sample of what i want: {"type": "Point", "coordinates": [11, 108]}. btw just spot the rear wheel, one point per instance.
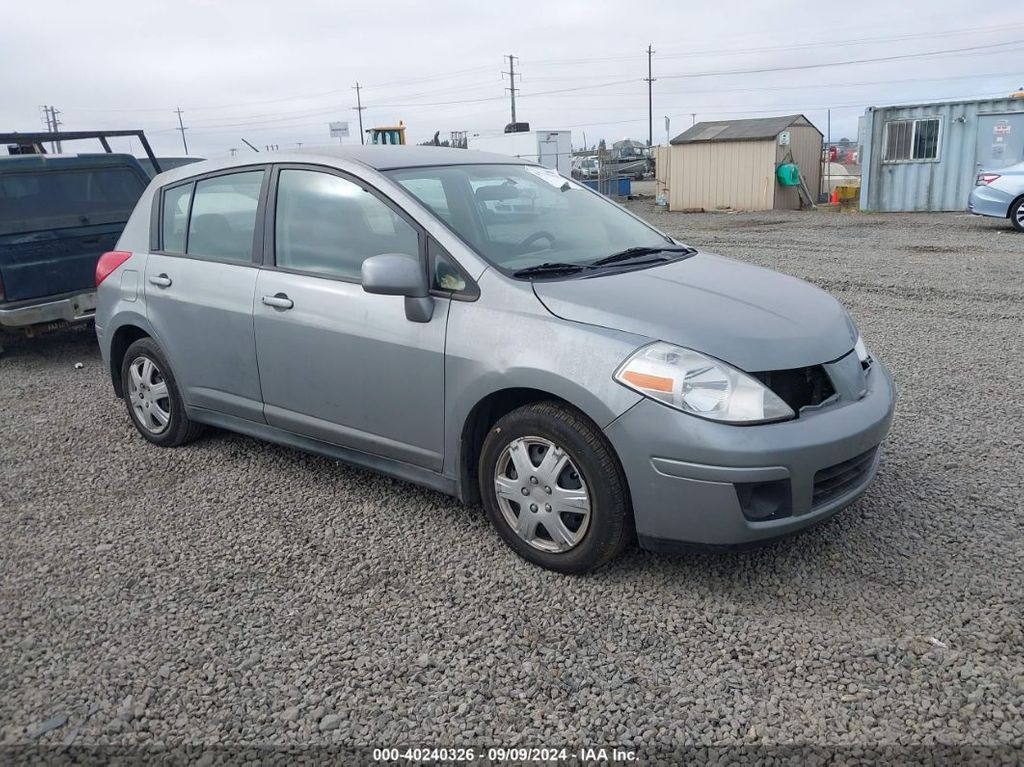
{"type": "Point", "coordinates": [152, 397]}
{"type": "Point", "coordinates": [553, 489]}
{"type": "Point", "coordinates": [1017, 214]}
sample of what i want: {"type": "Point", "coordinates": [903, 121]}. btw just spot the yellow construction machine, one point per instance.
{"type": "Point", "coordinates": [388, 134]}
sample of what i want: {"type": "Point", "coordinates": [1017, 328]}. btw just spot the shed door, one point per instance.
{"type": "Point", "coordinates": [548, 151]}
{"type": "Point", "coordinates": [1000, 140]}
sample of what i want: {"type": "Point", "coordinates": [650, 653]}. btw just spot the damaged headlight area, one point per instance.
{"type": "Point", "coordinates": [700, 385]}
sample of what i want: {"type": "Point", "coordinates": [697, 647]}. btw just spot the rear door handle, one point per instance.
{"type": "Point", "coordinates": [279, 301]}
{"type": "Point", "coordinates": [161, 281]}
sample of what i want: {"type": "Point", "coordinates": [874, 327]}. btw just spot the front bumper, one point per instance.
{"type": "Point", "coordinates": [697, 481]}
{"type": "Point", "coordinates": [77, 307]}
{"type": "Point", "coordinates": [986, 200]}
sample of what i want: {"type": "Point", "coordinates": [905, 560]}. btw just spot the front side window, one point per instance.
{"type": "Point", "coordinates": [445, 275]}
{"type": "Point", "coordinates": [223, 219]}
{"type": "Point", "coordinates": [328, 225]}
{"type": "Point", "coordinates": [909, 140]}
{"type": "Point", "coordinates": [519, 216]}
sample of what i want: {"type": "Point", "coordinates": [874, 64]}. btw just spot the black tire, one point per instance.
{"type": "Point", "coordinates": [610, 524]}
{"type": "Point", "coordinates": [1017, 214]}
{"type": "Point", "coordinates": [179, 430]}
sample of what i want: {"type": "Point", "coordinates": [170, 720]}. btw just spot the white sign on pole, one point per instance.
{"type": "Point", "coordinates": [339, 130]}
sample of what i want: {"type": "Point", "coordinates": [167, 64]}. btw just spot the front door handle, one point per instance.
{"type": "Point", "coordinates": [161, 281]}
{"type": "Point", "coordinates": [278, 301]}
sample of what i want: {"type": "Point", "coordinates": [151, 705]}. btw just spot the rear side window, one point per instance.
{"type": "Point", "coordinates": [223, 217]}
{"type": "Point", "coordinates": [49, 199]}
{"type": "Point", "coordinates": [175, 218]}
{"type": "Point", "coordinates": [328, 225]}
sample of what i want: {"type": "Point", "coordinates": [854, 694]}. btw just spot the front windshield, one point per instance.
{"type": "Point", "coordinates": [519, 216]}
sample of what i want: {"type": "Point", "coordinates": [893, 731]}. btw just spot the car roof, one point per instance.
{"type": "Point", "coordinates": [377, 157]}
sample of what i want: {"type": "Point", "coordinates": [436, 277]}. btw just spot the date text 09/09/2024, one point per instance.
{"type": "Point", "coordinates": [500, 754]}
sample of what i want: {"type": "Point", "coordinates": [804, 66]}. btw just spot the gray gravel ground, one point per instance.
{"type": "Point", "coordinates": [237, 592]}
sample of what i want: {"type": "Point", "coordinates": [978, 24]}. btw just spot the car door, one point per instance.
{"type": "Point", "coordinates": [338, 364]}
{"type": "Point", "coordinates": [200, 283]}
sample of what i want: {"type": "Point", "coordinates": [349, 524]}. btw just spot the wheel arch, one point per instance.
{"type": "Point", "coordinates": [121, 339]}
{"type": "Point", "coordinates": [484, 414]}
{"type": "Point", "coordinates": [1017, 202]}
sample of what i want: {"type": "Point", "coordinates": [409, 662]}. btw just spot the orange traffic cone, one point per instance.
{"type": "Point", "coordinates": [835, 197]}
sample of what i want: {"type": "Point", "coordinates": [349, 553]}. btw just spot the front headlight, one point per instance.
{"type": "Point", "coordinates": [700, 385]}
{"type": "Point", "coordinates": [862, 353]}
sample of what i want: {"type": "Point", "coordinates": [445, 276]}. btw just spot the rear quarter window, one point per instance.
{"type": "Point", "coordinates": [175, 218]}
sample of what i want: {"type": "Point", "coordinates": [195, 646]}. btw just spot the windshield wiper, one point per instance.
{"type": "Point", "coordinates": [550, 269]}
{"type": "Point", "coordinates": [631, 253]}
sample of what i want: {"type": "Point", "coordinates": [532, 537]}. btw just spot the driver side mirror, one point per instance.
{"type": "Point", "coordinates": [396, 274]}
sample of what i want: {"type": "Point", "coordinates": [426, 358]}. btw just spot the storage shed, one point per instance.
{"type": "Point", "coordinates": [926, 156]}
{"type": "Point", "coordinates": [733, 163]}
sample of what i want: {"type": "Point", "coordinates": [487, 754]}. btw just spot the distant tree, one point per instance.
{"type": "Point", "coordinates": [436, 141]}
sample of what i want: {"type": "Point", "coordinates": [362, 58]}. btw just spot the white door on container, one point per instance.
{"type": "Point", "coordinates": [1000, 140]}
{"type": "Point", "coordinates": [548, 152]}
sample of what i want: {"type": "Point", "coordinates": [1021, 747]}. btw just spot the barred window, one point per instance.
{"type": "Point", "coordinates": [908, 140]}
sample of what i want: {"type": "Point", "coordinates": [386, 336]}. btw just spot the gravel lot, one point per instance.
{"type": "Point", "coordinates": [236, 592]}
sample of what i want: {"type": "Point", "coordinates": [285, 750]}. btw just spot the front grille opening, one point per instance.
{"type": "Point", "coordinates": [799, 388]}
{"type": "Point", "coordinates": [838, 480]}
{"type": "Point", "coordinates": [761, 501]}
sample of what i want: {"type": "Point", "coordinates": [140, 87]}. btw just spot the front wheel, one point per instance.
{"type": "Point", "coordinates": [553, 488]}
{"type": "Point", "coordinates": [1017, 215]}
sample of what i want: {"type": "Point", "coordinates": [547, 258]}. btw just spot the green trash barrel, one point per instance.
{"type": "Point", "coordinates": [788, 174]}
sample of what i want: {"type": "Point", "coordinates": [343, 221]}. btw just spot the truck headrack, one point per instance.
{"type": "Point", "coordinates": [38, 140]}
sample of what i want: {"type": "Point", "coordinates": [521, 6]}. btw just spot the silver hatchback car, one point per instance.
{"type": "Point", "coordinates": [487, 328]}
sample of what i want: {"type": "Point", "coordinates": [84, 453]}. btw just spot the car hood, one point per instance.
{"type": "Point", "coordinates": [752, 318]}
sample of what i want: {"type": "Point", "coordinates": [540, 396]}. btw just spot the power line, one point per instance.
{"type": "Point", "coordinates": [971, 50]}
{"type": "Point", "coordinates": [794, 67]}
{"type": "Point", "coordinates": [836, 43]}
{"type": "Point", "coordinates": [512, 83]}
{"type": "Point", "coordinates": [814, 86]}
{"type": "Point", "coordinates": [690, 53]}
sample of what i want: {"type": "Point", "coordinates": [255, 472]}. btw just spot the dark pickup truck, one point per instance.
{"type": "Point", "coordinates": [58, 214]}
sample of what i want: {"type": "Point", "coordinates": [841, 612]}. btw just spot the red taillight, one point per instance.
{"type": "Point", "coordinates": [108, 263]}
{"type": "Point", "coordinates": [986, 178]}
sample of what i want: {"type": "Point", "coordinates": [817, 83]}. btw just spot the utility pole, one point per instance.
{"type": "Point", "coordinates": [56, 124]}
{"type": "Point", "coordinates": [52, 125]}
{"type": "Point", "coordinates": [49, 125]}
{"type": "Point", "coordinates": [512, 82]}
{"type": "Point", "coordinates": [650, 99]}
{"type": "Point", "coordinates": [182, 128]}
{"type": "Point", "coordinates": [359, 109]}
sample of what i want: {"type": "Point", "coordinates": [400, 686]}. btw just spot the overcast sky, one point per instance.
{"type": "Point", "coordinates": [278, 72]}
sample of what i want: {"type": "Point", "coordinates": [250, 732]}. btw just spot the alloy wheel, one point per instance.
{"type": "Point", "coordinates": [148, 394]}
